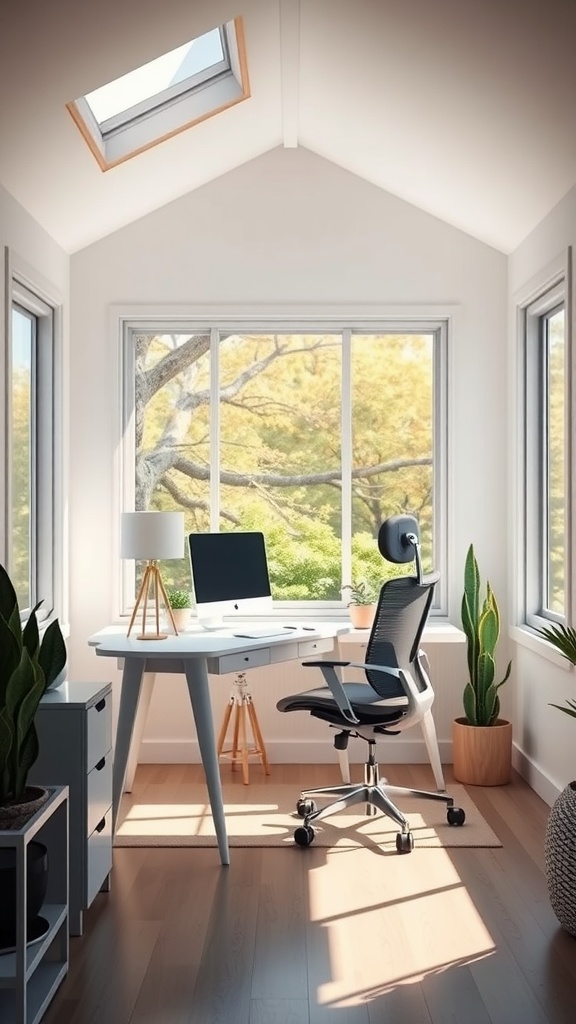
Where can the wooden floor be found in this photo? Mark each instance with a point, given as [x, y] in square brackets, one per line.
[306, 936]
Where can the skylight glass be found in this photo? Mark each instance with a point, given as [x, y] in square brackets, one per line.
[152, 79]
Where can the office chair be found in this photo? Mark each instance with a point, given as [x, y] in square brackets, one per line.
[396, 694]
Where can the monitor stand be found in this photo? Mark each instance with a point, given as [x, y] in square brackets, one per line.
[213, 623]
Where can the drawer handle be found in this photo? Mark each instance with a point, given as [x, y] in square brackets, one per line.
[100, 764]
[101, 704]
[101, 825]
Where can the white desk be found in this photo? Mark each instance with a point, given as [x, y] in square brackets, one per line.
[194, 654]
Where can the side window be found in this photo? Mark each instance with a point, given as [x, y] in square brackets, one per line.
[546, 456]
[29, 468]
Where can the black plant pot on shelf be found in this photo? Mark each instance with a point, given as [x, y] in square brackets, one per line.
[560, 858]
[36, 886]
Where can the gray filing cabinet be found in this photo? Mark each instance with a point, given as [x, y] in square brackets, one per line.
[74, 724]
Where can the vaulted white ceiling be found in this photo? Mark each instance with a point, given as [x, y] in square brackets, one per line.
[465, 108]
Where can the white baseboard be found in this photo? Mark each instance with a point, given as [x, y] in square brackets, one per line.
[542, 784]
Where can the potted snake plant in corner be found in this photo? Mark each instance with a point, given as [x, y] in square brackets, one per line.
[481, 740]
[560, 839]
[28, 667]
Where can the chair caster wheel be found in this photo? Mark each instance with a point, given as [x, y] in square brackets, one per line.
[404, 842]
[455, 816]
[304, 835]
[304, 807]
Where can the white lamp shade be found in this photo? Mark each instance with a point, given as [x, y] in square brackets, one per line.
[152, 535]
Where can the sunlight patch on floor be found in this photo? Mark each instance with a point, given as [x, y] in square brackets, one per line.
[171, 819]
[404, 924]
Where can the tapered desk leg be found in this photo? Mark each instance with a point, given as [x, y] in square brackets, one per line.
[138, 730]
[199, 690]
[129, 699]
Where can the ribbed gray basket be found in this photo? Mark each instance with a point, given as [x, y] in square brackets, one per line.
[560, 858]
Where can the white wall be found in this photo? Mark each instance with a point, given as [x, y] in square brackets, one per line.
[545, 737]
[291, 229]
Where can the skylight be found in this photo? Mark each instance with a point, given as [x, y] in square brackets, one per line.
[163, 97]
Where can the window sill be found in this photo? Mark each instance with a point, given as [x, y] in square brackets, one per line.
[526, 637]
[434, 633]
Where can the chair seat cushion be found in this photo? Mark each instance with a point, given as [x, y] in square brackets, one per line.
[368, 707]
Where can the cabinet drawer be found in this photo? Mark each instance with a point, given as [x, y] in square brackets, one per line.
[98, 731]
[99, 795]
[239, 662]
[99, 856]
[306, 648]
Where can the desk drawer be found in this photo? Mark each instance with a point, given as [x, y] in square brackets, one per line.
[239, 662]
[98, 731]
[308, 648]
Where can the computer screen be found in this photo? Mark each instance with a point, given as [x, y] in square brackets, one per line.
[229, 575]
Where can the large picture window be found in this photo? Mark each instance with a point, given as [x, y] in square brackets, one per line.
[313, 436]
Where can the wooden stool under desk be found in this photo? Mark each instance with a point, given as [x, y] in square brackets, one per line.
[241, 750]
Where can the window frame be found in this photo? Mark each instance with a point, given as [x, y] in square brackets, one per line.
[25, 288]
[439, 322]
[553, 290]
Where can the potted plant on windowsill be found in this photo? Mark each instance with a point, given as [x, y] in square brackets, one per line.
[362, 603]
[180, 604]
[481, 740]
[560, 839]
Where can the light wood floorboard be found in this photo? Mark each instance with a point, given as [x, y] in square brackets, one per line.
[292, 936]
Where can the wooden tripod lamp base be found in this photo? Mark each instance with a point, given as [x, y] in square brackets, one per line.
[148, 600]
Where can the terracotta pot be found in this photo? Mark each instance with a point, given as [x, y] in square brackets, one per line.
[362, 615]
[560, 858]
[482, 755]
[181, 618]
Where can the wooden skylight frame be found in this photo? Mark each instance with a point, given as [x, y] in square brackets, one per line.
[151, 123]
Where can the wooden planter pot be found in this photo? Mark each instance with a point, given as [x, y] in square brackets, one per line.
[482, 755]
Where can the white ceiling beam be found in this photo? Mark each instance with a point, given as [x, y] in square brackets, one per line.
[290, 70]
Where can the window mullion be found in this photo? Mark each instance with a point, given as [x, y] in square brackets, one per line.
[346, 455]
[214, 429]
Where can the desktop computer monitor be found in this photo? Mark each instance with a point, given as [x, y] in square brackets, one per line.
[230, 576]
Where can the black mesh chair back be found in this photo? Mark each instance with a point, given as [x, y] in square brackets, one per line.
[401, 615]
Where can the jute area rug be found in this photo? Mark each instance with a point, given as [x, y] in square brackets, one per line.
[265, 815]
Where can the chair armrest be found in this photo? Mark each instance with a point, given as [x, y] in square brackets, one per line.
[319, 664]
[336, 688]
[410, 689]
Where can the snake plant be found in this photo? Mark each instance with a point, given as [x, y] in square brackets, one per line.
[27, 667]
[481, 623]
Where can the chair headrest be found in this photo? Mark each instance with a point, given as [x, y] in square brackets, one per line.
[393, 538]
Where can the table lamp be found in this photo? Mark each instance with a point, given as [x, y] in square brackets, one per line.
[152, 536]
